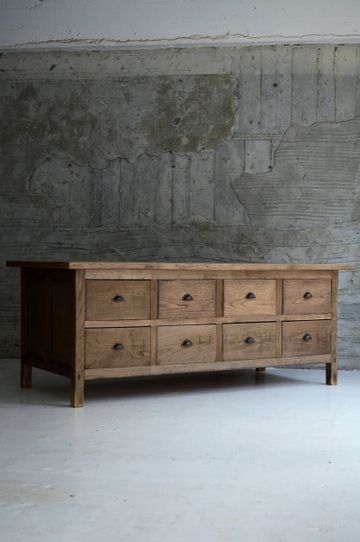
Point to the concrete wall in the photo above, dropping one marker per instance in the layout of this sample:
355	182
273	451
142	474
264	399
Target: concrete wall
205	154
23	22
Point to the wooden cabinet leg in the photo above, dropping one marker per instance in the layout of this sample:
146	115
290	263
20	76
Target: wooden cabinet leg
260	369
77	391
78	366
331	373
26	376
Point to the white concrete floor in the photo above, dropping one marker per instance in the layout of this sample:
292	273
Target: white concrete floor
205	458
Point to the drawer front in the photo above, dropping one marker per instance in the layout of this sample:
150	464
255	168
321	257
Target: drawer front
309	296
249	341
121	347
186	344
309	338
117	299
242	297
186	298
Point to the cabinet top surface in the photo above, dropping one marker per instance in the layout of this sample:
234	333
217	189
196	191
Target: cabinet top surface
183	266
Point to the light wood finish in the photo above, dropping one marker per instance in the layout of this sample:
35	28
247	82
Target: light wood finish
249	341
219	298
311	338
154	299
117	299
70	322
173	296
123	347
186	344
249	297
78	366
307	296
92	374
331	368
209	274
195	321
219	342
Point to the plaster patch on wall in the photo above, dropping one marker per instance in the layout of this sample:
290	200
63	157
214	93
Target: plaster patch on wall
316	168
95	121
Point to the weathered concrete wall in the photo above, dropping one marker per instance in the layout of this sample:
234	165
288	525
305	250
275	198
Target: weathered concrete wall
223	154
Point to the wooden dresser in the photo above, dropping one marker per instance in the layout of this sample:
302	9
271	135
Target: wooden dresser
92	320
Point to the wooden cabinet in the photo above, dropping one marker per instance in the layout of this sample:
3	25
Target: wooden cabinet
93	320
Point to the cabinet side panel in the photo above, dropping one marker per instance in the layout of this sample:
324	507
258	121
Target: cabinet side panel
62	318
35	318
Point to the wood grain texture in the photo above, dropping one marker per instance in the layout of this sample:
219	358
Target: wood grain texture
331	368
92	374
219	298
101	301
294	333
154	299
173	305
78	366
237	300
171	348
184	274
101	351
295	291
25	368
215	320
235	345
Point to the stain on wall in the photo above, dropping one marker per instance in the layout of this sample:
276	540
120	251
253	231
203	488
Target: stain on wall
205	154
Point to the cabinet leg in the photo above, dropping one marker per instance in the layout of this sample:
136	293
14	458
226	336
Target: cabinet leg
260	369
25	375
77	391
331	373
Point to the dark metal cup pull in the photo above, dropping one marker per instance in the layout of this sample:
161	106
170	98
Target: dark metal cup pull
118	346
249	340
250	295
307	295
118	298
187	297
187	343
307	337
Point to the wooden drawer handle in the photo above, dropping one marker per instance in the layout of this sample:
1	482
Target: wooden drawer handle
249	340
118	298
307	295
307	337
118	346
187	343
187	297
250	295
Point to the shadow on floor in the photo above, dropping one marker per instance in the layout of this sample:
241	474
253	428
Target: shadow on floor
52	390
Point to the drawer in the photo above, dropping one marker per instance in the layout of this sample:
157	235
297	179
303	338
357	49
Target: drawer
243	297
186	344
186	298
117	299
309	296
121	347
249	341
309	338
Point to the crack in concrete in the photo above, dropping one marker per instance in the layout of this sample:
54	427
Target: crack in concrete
227	38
